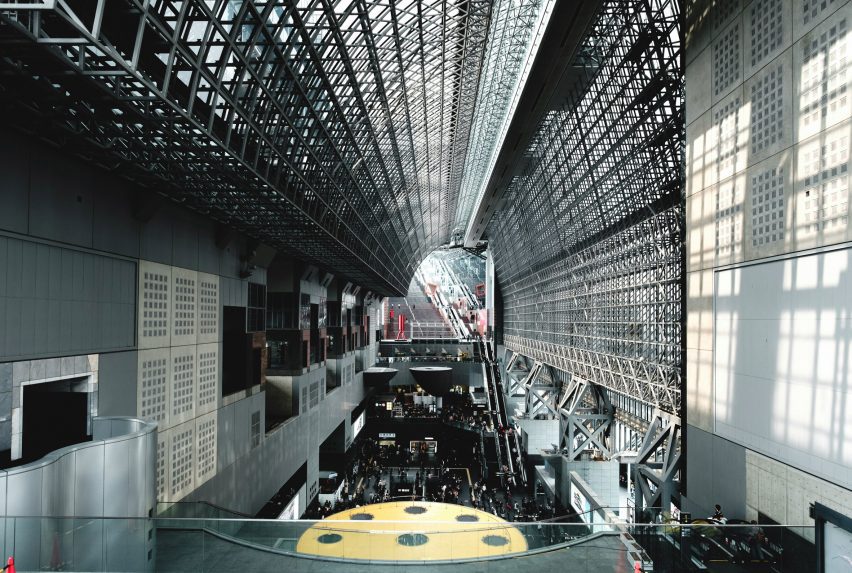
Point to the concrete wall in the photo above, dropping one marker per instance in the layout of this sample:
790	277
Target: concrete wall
769	123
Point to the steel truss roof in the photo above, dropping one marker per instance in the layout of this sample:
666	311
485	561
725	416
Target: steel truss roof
335	130
588	245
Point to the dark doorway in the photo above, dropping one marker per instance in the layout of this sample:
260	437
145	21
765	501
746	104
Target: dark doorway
236	350
55	415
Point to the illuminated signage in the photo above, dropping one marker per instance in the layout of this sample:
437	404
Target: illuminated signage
291	511
358	425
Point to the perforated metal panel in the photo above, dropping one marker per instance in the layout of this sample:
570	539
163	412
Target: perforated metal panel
154	305
726	60
767	108
181	477
766	27
729	219
768	207
824	89
184	292
205	433
722	11
824	174
813	9
207	360
314	394
183	375
727	123
163	458
152	388
208	308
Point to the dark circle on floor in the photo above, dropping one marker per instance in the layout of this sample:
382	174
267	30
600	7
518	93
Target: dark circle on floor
329	538
362	516
495	540
412	539
467	517
415	509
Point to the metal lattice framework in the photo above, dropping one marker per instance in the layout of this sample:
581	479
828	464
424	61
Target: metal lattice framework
336	130
514	27
585	417
588	245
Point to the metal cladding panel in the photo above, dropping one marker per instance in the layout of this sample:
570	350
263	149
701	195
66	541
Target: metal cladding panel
57	488
24	493
88	482
59	301
63	195
112	475
15	168
116	479
141	489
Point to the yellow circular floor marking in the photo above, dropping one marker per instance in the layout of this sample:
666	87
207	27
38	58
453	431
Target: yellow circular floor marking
411	531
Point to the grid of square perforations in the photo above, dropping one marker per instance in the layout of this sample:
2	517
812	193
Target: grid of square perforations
729	220
826	185
726	60
767	207
208	307
207	375
183	383
155	304
184	305
767	31
767	109
811	9
162	481
182	450
722	10
154	376
206	447
726	119
314	394
825	63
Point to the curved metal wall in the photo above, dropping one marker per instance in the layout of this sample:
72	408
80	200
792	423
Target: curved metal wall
86	505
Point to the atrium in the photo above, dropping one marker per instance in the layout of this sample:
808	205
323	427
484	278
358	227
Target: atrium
357	285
